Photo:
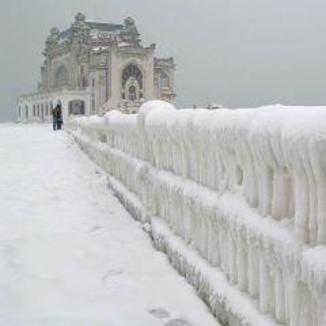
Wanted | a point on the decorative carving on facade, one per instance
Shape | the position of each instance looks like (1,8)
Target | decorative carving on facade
(64,48)
(130,33)
(80,38)
(52,43)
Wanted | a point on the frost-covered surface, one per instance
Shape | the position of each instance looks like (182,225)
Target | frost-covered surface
(70,255)
(230,305)
(245,188)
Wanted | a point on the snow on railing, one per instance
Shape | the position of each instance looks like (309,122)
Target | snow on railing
(246,188)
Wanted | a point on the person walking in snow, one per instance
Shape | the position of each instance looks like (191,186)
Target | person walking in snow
(59,116)
(54,117)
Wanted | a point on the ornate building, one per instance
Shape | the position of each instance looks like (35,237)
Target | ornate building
(94,67)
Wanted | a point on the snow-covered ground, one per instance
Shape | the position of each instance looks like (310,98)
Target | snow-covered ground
(70,255)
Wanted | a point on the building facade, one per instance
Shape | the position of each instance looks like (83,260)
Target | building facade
(94,67)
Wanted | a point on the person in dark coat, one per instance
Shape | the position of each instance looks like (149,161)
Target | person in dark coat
(54,117)
(59,119)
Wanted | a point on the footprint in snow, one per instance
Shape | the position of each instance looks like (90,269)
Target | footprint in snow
(110,273)
(95,228)
(177,322)
(159,313)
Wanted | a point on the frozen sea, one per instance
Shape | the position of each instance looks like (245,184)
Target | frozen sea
(70,255)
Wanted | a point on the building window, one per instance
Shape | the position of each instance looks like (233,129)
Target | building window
(134,72)
(26,111)
(46,109)
(83,78)
(38,110)
(62,77)
(76,107)
(34,110)
(164,80)
(19,111)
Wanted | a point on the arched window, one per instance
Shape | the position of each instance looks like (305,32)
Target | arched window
(61,77)
(134,72)
(26,111)
(164,80)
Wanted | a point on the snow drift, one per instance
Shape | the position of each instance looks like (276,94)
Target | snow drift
(245,190)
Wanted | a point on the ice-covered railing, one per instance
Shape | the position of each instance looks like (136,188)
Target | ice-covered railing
(275,156)
(246,188)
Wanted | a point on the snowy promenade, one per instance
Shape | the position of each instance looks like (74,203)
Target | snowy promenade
(70,255)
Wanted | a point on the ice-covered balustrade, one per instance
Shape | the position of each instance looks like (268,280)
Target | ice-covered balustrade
(245,189)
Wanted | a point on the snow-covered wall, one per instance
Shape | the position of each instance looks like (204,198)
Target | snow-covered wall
(246,189)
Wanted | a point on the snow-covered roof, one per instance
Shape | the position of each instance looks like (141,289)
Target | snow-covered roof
(105,27)
(95,27)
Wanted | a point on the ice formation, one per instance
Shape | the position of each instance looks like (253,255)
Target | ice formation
(243,189)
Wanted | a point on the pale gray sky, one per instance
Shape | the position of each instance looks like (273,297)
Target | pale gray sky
(233,52)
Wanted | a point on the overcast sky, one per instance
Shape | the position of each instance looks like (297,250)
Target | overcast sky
(232,52)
